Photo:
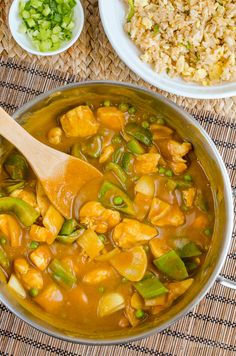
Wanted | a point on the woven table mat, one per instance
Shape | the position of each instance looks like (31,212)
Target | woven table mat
(210,327)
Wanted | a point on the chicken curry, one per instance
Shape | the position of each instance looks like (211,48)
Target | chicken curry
(138,234)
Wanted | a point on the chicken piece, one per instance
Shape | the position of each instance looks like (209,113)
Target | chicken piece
(41,257)
(79,122)
(176,289)
(98,275)
(146,163)
(106,153)
(21,266)
(131,233)
(111,118)
(158,247)
(25,194)
(98,218)
(178,167)
(160,131)
(189,196)
(40,233)
(178,150)
(50,299)
(130,313)
(163,214)
(42,200)
(30,277)
(11,228)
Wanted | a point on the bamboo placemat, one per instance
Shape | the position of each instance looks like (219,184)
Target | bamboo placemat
(210,327)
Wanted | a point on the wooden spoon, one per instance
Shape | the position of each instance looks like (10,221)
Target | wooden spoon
(61,175)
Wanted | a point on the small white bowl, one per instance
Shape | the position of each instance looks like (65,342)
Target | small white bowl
(24,41)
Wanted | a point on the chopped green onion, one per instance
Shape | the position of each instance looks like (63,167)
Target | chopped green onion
(208,232)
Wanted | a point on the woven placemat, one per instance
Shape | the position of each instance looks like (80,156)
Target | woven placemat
(210,327)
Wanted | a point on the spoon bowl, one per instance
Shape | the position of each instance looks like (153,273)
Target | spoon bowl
(61,175)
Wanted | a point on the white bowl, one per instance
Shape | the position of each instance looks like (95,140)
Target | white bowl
(24,41)
(113,13)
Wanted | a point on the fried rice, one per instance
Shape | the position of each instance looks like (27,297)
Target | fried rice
(191,39)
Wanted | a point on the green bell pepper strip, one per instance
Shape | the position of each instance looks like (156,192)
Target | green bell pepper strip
(128,162)
(117,170)
(62,275)
(108,192)
(70,239)
(16,166)
(76,152)
(117,155)
(190,249)
(138,132)
(150,287)
(171,265)
(24,212)
(92,147)
(131,10)
(69,227)
(4,261)
(201,202)
(135,147)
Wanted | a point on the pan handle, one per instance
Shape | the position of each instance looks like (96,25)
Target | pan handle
(220,279)
(226,282)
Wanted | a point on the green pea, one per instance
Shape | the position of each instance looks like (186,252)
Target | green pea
(132,110)
(161,170)
(208,232)
(124,280)
(107,103)
(188,178)
(33,292)
(3,240)
(33,245)
(146,248)
(160,121)
(118,200)
(124,107)
(145,124)
(101,289)
(169,173)
(152,119)
(184,208)
(139,314)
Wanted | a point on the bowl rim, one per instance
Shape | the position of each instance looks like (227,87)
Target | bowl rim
(228,207)
(65,47)
(166,83)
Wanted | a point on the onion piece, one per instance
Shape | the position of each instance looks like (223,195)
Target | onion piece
(145,185)
(110,303)
(16,286)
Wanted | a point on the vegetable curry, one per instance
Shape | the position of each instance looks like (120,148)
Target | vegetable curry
(138,234)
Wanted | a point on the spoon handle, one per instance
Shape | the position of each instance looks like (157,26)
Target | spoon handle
(41,157)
